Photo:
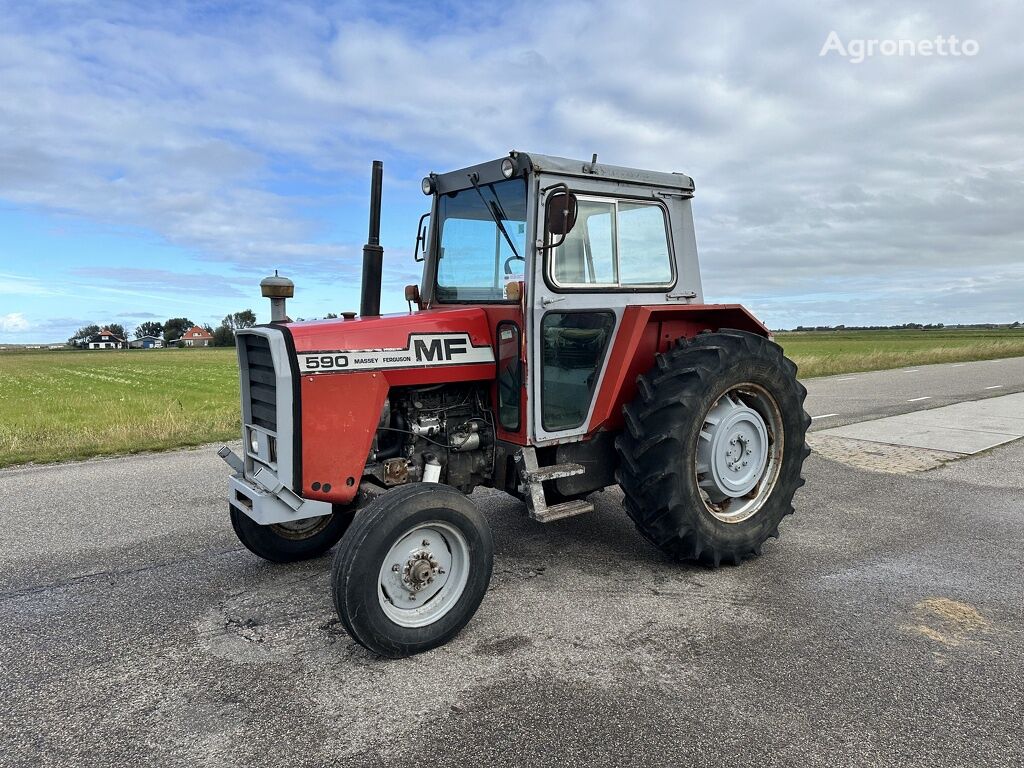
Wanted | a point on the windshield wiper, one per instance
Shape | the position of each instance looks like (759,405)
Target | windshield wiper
(497,217)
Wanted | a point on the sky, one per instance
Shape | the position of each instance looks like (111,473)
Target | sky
(158,160)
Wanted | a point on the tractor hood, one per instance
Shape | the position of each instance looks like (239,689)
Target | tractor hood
(428,339)
(345,369)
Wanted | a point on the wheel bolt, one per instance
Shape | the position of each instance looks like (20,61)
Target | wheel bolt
(426,543)
(396,567)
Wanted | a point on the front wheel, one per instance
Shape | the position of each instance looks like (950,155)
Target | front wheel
(290,542)
(412,570)
(713,447)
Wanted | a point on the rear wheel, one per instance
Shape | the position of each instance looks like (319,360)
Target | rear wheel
(289,542)
(413,569)
(713,447)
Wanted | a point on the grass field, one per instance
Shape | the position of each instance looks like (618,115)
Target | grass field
(70,405)
(825,353)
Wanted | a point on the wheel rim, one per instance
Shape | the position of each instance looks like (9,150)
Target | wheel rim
(424,574)
(739,452)
(302,529)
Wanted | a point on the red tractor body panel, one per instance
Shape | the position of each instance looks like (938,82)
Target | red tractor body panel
(341,406)
(646,330)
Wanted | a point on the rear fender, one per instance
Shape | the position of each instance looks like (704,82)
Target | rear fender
(647,330)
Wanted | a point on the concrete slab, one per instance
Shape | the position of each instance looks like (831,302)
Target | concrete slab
(962,428)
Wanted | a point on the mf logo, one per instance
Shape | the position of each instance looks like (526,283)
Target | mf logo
(438,349)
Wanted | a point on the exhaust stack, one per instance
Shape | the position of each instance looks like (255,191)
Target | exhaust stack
(373,253)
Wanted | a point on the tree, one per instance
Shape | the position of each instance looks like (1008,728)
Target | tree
(176,327)
(244,319)
(150,328)
(330,316)
(117,329)
(83,334)
(208,328)
(223,337)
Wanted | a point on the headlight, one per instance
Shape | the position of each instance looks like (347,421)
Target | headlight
(508,168)
(427,185)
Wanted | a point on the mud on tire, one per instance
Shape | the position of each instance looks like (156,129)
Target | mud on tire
(658,449)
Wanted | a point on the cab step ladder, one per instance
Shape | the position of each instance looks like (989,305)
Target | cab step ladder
(532,479)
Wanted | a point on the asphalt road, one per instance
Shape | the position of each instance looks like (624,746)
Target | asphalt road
(853,397)
(884,627)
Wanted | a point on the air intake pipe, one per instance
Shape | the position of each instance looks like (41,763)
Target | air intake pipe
(373,253)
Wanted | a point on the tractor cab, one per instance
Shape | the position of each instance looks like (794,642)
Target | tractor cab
(559,251)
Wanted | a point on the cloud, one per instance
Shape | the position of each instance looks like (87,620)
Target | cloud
(884,185)
(129,279)
(13,322)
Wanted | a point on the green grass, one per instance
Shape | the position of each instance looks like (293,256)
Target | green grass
(56,406)
(825,353)
(71,405)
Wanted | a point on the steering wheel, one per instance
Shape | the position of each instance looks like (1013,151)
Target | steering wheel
(508,263)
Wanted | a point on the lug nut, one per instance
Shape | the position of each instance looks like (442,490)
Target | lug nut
(396,567)
(426,543)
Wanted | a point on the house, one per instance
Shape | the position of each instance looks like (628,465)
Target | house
(146,342)
(195,337)
(105,340)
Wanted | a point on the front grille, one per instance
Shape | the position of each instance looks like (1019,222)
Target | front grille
(262,383)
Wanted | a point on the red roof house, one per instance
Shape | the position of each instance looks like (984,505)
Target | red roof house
(195,337)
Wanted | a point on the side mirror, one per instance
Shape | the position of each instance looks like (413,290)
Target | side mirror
(421,239)
(561,213)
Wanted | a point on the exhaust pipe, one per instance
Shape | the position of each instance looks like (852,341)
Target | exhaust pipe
(373,253)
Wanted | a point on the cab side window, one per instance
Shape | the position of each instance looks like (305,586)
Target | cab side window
(615,245)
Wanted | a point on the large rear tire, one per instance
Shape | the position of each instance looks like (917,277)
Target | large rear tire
(713,447)
(290,542)
(412,570)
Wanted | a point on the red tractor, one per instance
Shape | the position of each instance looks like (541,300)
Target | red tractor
(559,344)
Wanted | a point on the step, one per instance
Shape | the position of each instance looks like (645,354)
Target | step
(554,472)
(565,509)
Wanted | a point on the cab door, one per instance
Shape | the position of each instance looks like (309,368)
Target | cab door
(619,252)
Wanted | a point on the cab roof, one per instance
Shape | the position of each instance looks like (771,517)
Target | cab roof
(528,162)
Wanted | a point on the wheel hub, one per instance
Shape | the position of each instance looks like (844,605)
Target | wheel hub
(733,449)
(420,570)
(423,574)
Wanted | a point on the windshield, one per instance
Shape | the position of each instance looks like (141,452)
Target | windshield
(475,260)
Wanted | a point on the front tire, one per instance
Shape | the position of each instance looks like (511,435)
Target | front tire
(713,447)
(412,570)
(291,542)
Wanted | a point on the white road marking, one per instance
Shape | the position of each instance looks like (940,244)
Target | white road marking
(848,378)
(824,416)
(995,386)
(912,370)
(919,399)
(958,365)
